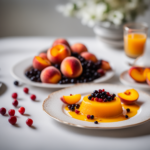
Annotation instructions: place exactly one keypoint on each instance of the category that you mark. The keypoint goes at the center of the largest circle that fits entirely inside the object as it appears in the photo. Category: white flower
(116, 17)
(92, 11)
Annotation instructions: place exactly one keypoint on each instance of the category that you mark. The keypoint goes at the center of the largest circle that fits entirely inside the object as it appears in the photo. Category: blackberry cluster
(33, 75)
(73, 106)
(89, 71)
(101, 96)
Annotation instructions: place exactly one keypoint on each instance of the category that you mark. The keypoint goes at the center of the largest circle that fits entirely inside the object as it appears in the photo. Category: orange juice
(134, 44)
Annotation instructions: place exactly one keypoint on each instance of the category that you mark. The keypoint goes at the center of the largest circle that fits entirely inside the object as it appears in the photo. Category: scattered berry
(96, 99)
(103, 90)
(15, 103)
(16, 83)
(126, 116)
(88, 116)
(70, 94)
(72, 108)
(96, 122)
(21, 110)
(89, 97)
(29, 122)
(92, 99)
(100, 91)
(77, 111)
(26, 90)
(14, 95)
(11, 112)
(12, 120)
(33, 97)
(92, 117)
(77, 106)
(69, 106)
(100, 100)
(128, 110)
(3, 111)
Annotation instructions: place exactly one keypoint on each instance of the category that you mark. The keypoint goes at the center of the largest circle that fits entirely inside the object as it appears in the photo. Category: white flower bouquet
(115, 12)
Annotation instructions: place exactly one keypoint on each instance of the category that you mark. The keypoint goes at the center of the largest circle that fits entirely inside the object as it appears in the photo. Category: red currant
(15, 103)
(88, 116)
(26, 90)
(21, 110)
(11, 112)
(77, 111)
(3, 111)
(14, 95)
(29, 122)
(12, 120)
(33, 97)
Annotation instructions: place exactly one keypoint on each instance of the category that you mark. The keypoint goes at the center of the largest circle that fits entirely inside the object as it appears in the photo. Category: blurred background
(40, 18)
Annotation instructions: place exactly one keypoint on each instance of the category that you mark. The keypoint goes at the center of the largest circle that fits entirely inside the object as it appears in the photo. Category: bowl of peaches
(138, 77)
(62, 65)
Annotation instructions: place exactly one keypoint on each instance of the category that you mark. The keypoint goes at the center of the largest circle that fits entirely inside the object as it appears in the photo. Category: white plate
(19, 69)
(55, 108)
(127, 80)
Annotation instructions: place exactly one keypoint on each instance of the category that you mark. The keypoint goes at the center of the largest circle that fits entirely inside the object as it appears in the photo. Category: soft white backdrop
(40, 18)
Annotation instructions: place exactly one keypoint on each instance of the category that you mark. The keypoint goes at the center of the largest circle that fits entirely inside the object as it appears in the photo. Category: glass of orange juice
(135, 35)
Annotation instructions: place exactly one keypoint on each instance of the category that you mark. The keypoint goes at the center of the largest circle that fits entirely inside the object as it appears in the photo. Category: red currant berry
(12, 120)
(26, 90)
(96, 99)
(3, 111)
(15, 103)
(29, 122)
(33, 97)
(88, 116)
(11, 112)
(103, 90)
(21, 110)
(77, 111)
(92, 99)
(100, 91)
(14, 95)
(100, 100)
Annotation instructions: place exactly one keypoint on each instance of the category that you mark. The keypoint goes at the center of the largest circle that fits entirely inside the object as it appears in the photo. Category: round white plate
(54, 107)
(127, 80)
(19, 69)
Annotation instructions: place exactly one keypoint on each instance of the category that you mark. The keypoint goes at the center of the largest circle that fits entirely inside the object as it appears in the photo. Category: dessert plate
(54, 107)
(21, 67)
(127, 80)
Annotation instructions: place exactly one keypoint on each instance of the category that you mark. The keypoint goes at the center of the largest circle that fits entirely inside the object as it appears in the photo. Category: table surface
(47, 133)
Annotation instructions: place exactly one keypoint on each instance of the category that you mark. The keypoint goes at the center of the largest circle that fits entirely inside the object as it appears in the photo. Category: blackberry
(96, 122)
(92, 116)
(16, 83)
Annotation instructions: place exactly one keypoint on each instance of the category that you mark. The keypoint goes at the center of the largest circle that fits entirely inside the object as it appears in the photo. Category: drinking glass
(135, 35)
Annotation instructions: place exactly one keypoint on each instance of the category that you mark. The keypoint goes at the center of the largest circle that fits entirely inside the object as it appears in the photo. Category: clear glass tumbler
(135, 35)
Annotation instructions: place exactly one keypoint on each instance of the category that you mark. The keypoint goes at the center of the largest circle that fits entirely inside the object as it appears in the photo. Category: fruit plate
(19, 69)
(127, 80)
(54, 107)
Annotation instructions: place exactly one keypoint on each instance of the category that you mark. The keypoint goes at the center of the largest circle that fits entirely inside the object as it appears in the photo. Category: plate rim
(88, 127)
(46, 85)
(125, 82)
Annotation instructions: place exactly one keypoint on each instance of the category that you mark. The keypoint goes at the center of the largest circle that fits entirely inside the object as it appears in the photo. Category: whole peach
(71, 67)
(61, 41)
(78, 48)
(40, 63)
(89, 56)
(50, 75)
(57, 53)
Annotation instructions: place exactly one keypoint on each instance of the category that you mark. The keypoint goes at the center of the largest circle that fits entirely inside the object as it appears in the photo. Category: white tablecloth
(47, 133)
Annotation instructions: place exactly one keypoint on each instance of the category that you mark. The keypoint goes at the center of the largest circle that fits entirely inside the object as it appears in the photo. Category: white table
(47, 133)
